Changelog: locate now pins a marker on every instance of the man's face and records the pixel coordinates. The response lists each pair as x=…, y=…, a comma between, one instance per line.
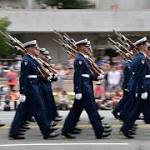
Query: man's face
x=33, y=51
x=143, y=47
x=86, y=49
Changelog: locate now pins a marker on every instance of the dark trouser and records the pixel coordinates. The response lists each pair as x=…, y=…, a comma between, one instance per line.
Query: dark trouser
x=142, y=106
x=87, y=103
x=35, y=106
x=122, y=102
x=48, y=99
x=19, y=119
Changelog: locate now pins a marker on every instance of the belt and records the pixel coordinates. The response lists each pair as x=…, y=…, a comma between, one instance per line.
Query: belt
x=147, y=76
x=32, y=76
x=85, y=75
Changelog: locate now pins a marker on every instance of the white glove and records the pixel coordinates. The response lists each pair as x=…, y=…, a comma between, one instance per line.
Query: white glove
x=49, y=78
x=78, y=96
x=136, y=95
x=144, y=95
x=55, y=75
x=100, y=77
x=22, y=98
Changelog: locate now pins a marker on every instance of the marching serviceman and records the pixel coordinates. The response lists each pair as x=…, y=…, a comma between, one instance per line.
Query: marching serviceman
x=138, y=88
x=120, y=110
x=31, y=101
x=47, y=92
x=84, y=96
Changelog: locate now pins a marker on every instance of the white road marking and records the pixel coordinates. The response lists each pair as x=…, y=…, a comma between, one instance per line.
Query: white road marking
x=64, y=144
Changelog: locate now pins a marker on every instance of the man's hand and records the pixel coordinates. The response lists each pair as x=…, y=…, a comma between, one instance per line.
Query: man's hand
x=144, y=95
x=100, y=77
x=78, y=96
x=22, y=98
x=49, y=78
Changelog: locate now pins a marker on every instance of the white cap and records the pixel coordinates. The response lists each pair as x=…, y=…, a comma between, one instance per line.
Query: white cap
x=84, y=42
x=42, y=50
x=141, y=41
x=45, y=53
x=30, y=44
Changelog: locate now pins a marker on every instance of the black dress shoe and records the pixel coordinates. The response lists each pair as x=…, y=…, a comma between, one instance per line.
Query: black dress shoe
x=115, y=114
x=67, y=135
x=106, y=126
x=75, y=132
x=58, y=119
x=16, y=137
x=132, y=132
x=127, y=134
x=77, y=129
x=25, y=127
x=20, y=134
x=54, y=129
x=107, y=130
x=52, y=135
x=101, y=118
x=104, y=134
x=22, y=130
x=1, y=125
x=53, y=124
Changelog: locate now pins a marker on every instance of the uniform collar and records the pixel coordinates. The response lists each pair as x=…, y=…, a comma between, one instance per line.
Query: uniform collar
x=144, y=54
x=84, y=55
x=32, y=56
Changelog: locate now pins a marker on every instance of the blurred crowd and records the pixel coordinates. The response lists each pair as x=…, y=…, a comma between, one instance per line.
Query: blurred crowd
x=108, y=91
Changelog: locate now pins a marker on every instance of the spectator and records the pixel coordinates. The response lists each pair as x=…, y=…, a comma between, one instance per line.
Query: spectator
x=63, y=100
x=11, y=77
x=113, y=79
x=99, y=90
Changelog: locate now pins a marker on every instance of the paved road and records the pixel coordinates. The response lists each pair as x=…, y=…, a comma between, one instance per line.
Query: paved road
x=85, y=141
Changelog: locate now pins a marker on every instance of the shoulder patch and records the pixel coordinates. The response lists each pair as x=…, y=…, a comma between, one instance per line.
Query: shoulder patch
x=143, y=61
x=25, y=63
x=80, y=62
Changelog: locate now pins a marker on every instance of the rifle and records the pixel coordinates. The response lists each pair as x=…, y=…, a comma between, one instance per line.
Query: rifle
x=69, y=44
x=119, y=48
x=44, y=67
x=126, y=40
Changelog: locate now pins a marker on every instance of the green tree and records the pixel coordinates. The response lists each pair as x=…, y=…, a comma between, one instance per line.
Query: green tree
x=5, y=50
x=68, y=4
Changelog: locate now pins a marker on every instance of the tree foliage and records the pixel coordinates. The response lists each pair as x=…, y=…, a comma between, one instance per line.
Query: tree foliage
x=68, y=4
x=4, y=48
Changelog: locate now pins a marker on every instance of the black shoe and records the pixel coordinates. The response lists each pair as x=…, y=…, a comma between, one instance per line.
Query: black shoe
x=1, y=125
x=104, y=134
x=25, y=127
x=16, y=137
x=106, y=126
x=75, y=132
x=67, y=135
x=53, y=124
x=20, y=134
x=133, y=129
x=115, y=114
x=107, y=130
x=53, y=129
x=101, y=118
x=77, y=129
x=22, y=130
x=132, y=132
x=58, y=119
x=127, y=134
x=135, y=126
x=59, y=116
x=52, y=135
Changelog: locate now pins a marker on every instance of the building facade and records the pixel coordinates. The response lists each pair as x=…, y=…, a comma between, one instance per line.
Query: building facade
x=96, y=24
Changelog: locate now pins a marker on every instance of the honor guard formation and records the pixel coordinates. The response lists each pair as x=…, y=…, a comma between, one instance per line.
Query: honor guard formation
x=37, y=99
